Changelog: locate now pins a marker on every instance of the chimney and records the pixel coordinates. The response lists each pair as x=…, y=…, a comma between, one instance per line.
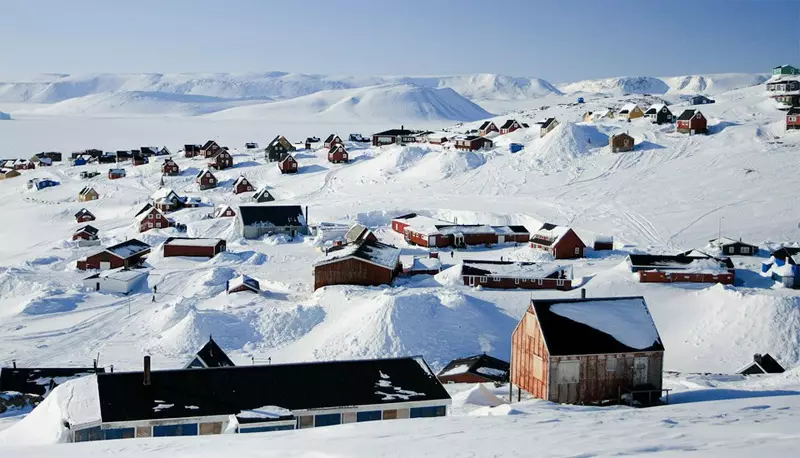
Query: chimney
x=112, y=368
x=94, y=363
x=402, y=127
x=306, y=215
x=14, y=363
x=146, y=378
x=583, y=293
x=757, y=358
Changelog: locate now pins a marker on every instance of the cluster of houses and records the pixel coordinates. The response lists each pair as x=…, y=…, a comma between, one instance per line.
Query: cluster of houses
x=12, y=168
x=784, y=88
x=137, y=157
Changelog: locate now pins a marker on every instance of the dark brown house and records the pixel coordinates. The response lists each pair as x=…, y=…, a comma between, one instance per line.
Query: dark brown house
x=242, y=185
x=84, y=215
x=487, y=127
x=288, y=164
x=475, y=369
x=338, y=154
x=472, y=143
x=729, y=246
x=191, y=150
x=206, y=180
x=429, y=232
x=560, y=241
x=209, y=149
x=762, y=364
x=366, y=262
x=129, y=253
x=395, y=136
x=512, y=275
x=221, y=160
x=582, y=351
x=193, y=247
x=620, y=143
x=86, y=233
x=170, y=168
x=510, y=126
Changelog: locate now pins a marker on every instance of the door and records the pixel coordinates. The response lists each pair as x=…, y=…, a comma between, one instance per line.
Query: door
x=501, y=239
x=459, y=239
x=104, y=265
x=472, y=281
x=97, y=286
x=639, y=371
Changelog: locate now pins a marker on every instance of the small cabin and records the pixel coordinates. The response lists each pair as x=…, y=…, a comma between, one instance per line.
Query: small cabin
x=692, y=122
x=620, y=143
x=546, y=126
x=630, y=111
x=486, y=128
x=510, y=126
x=87, y=194
x=170, y=168
x=288, y=164
x=729, y=246
x=149, y=217
x=114, y=174
x=241, y=185
x=243, y=283
x=84, y=215
x=331, y=141
x=603, y=242
x=700, y=100
x=224, y=211
x=472, y=143
x=659, y=114
x=338, y=154
x=206, y=180
x=263, y=195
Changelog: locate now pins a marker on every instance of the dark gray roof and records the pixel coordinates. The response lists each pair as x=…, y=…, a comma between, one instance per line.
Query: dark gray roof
x=762, y=364
x=128, y=248
x=40, y=380
x=547, y=122
x=508, y=123
x=88, y=229
x=686, y=115
x=477, y=362
x=397, y=132
x=82, y=212
x=276, y=215
x=213, y=356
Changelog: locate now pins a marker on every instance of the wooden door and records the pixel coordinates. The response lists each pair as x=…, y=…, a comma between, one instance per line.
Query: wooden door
x=640, y=370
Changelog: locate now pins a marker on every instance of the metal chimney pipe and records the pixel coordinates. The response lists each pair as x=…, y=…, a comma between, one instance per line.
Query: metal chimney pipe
x=146, y=378
x=583, y=293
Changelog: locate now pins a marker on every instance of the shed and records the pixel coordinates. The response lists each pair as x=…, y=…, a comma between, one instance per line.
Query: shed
x=365, y=262
x=515, y=147
x=762, y=364
x=243, y=283
x=621, y=142
x=193, y=247
x=121, y=281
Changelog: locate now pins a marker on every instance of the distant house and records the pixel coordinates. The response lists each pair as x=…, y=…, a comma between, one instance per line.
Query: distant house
x=258, y=398
x=40, y=183
x=42, y=161
x=149, y=151
x=357, y=233
x=690, y=267
x=510, y=126
x=8, y=173
x=167, y=200
x=288, y=164
x=338, y=154
x=193, y=247
x=263, y=195
x=278, y=149
x=603, y=242
x=692, y=122
x=129, y=253
x=243, y=283
x=250, y=145
x=512, y=275
x=88, y=193
x=762, y=364
x=221, y=160
x=700, y=100
x=783, y=85
x=84, y=215
x=206, y=180
x=429, y=232
x=621, y=142
x=788, y=100
x=785, y=70
x=560, y=241
x=170, y=168
x=149, y=217
x=86, y=236
x=472, y=143
x=394, y=136
x=114, y=174
x=121, y=281
x=583, y=351
x=331, y=141
x=421, y=265
x=210, y=148
x=260, y=220
x=138, y=159
x=630, y=111
x=475, y=369
x=598, y=115
x=191, y=150
x=24, y=164
x=211, y=355
x=437, y=138
x=53, y=156
x=659, y=114
x=783, y=266
x=224, y=211
x=80, y=160
x=366, y=262
x=793, y=119
x=731, y=246
x=486, y=128
x=547, y=126
x=41, y=380
x=242, y=185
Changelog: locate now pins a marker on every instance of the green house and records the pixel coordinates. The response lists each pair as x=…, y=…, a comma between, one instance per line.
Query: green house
x=785, y=70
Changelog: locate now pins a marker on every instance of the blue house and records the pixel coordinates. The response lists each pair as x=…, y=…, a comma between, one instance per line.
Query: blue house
x=700, y=100
x=782, y=267
x=580, y=99
x=79, y=161
x=515, y=147
x=41, y=183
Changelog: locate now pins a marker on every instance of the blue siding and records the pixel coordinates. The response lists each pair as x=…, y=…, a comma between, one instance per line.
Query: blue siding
x=515, y=147
x=175, y=430
x=263, y=429
x=327, y=419
x=424, y=412
x=371, y=415
x=120, y=433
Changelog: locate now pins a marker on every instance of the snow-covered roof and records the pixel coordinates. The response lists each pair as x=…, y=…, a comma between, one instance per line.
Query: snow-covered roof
x=164, y=194
x=128, y=248
x=179, y=241
x=244, y=280
x=422, y=224
x=203, y=172
x=420, y=263
x=146, y=210
x=465, y=229
x=721, y=241
x=368, y=250
x=549, y=234
x=628, y=107
x=126, y=275
x=655, y=108
x=510, y=269
x=241, y=179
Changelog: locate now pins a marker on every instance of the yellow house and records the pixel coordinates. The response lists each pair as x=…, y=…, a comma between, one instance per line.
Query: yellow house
x=87, y=194
x=630, y=111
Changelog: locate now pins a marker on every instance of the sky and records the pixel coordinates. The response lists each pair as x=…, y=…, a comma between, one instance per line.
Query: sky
x=559, y=41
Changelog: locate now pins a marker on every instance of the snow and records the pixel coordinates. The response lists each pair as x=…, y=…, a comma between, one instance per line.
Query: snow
x=416, y=263
x=518, y=270
x=460, y=369
x=210, y=243
x=266, y=412
x=491, y=371
x=627, y=320
x=477, y=395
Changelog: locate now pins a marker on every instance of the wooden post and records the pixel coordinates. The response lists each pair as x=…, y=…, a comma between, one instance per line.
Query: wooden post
x=519, y=393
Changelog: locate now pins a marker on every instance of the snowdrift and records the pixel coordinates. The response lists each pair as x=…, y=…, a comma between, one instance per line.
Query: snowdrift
x=563, y=147
x=620, y=85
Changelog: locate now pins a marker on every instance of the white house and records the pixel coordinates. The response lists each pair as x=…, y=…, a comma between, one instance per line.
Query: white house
x=116, y=281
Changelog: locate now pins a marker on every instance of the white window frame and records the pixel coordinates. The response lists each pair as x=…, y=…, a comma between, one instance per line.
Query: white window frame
x=745, y=249
x=516, y=281
x=611, y=364
x=577, y=250
x=484, y=279
x=150, y=216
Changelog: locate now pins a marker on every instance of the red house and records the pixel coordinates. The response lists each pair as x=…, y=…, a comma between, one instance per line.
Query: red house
x=24, y=164
x=193, y=247
x=338, y=154
x=428, y=232
x=510, y=126
x=513, y=275
x=243, y=283
x=692, y=122
x=332, y=140
x=560, y=241
x=85, y=233
x=149, y=217
x=84, y=215
x=288, y=164
x=114, y=174
x=487, y=127
x=191, y=150
x=472, y=143
x=793, y=119
x=242, y=185
x=126, y=254
x=206, y=180
x=224, y=211
x=690, y=267
x=221, y=160
x=170, y=168
x=210, y=149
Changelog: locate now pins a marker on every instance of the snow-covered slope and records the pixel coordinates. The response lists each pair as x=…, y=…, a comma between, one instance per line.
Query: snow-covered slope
x=690, y=84
x=489, y=86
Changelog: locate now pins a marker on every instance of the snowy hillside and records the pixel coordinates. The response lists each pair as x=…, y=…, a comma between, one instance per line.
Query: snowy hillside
x=691, y=84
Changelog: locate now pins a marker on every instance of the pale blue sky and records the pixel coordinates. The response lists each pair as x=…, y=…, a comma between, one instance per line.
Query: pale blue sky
x=556, y=40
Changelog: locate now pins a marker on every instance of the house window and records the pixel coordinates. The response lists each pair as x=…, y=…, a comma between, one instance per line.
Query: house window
x=306, y=421
x=390, y=414
x=577, y=250
x=516, y=281
x=427, y=412
x=175, y=430
x=538, y=367
x=120, y=433
x=89, y=434
x=211, y=180
x=150, y=216
x=730, y=249
x=611, y=364
x=264, y=429
x=327, y=419
x=540, y=282
x=371, y=415
x=745, y=250
x=484, y=279
x=559, y=282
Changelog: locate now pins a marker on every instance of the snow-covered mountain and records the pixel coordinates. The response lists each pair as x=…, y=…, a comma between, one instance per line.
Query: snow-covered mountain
x=689, y=84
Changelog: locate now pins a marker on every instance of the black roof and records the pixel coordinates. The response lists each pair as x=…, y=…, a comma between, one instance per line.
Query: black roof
x=519, y=229
x=213, y=356
x=477, y=362
x=794, y=111
x=656, y=260
x=277, y=215
x=88, y=229
x=548, y=227
x=785, y=252
x=547, y=122
x=191, y=148
x=209, y=144
x=564, y=336
x=508, y=123
x=40, y=380
x=686, y=115
x=229, y=390
x=83, y=211
x=397, y=132
x=768, y=365
x=485, y=124
x=144, y=209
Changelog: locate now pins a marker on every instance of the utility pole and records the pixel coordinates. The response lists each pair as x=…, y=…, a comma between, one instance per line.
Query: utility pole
x=719, y=232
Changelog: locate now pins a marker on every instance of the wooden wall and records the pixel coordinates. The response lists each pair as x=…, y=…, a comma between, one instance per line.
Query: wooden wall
x=351, y=272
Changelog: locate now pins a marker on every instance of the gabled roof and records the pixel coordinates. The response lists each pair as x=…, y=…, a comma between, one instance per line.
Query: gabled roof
x=243, y=280
x=485, y=124
x=301, y=386
x=794, y=111
x=165, y=194
x=212, y=355
x=374, y=252
x=621, y=134
x=128, y=248
x=547, y=122
x=209, y=144
x=549, y=234
x=272, y=215
x=288, y=158
x=508, y=123
x=510, y=269
x=88, y=229
x=241, y=180
x=356, y=233
x=87, y=190
x=336, y=147
x=483, y=365
x=654, y=109
x=786, y=252
x=146, y=210
x=82, y=212
x=725, y=241
x=596, y=325
x=331, y=137
x=222, y=208
x=687, y=114
x=42, y=379
x=281, y=139
x=628, y=107
x=203, y=172
x=762, y=364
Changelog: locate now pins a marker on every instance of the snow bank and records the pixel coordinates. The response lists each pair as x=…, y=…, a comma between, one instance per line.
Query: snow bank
x=478, y=395
x=563, y=147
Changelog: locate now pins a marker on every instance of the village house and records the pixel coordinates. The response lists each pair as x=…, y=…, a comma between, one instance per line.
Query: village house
x=762, y=364
x=221, y=160
x=689, y=267
x=366, y=262
x=437, y=138
x=433, y=233
x=210, y=355
x=138, y=159
x=88, y=193
x=600, y=115
x=692, y=122
x=487, y=127
x=242, y=185
x=620, y=143
x=603, y=242
x=783, y=266
x=8, y=173
x=53, y=156
x=250, y=145
x=149, y=217
x=300, y=396
x=259, y=220
x=129, y=253
x=206, y=180
x=560, y=241
x=475, y=369
x=700, y=100
x=472, y=143
x=357, y=233
x=787, y=101
x=510, y=126
x=331, y=141
x=191, y=150
x=399, y=136
x=288, y=164
x=41, y=183
x=42, y=161
x=731, y=246
x=659, y=114
x=242, y=283
x=630, y=111
x=785, y=70
x=86, y=236
x=783, y=85
x=41, y=381
x=588, y=351
x=515, y=274
x=170, y=168
x=120, y=281
x=224, y=211
x=193, y=247
x=547, y=126
x=114, y=174
x=338, y=154
x=24, y=164
x=421, y=265
x=84, y=215
x=278, y=149
x=167, y=200
x=149, y=151
x=793, y=119
x=210, y=148
x=263, y=195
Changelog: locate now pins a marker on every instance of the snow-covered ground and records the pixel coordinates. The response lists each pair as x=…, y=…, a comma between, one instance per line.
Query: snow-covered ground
x=670, y=194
